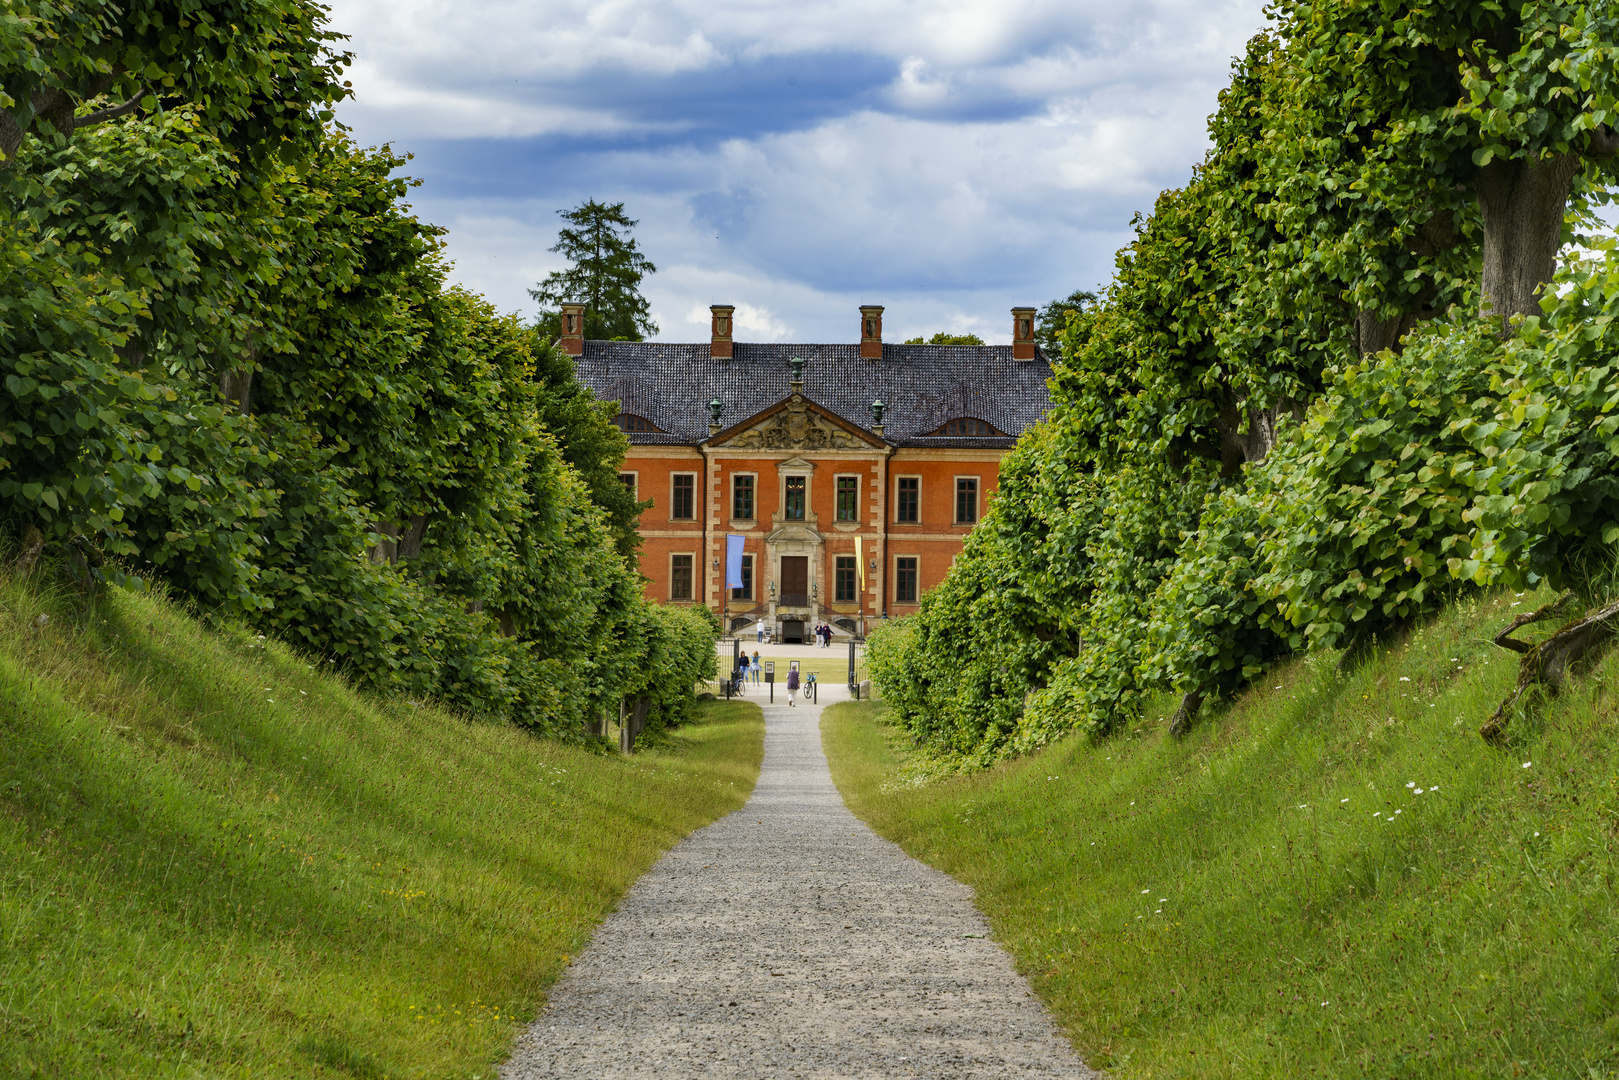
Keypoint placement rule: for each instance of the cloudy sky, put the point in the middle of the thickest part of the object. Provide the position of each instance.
(947, 159)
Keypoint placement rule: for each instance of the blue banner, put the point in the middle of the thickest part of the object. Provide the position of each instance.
(733, 561)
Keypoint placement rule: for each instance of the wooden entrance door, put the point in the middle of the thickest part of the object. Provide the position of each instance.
(795, 581)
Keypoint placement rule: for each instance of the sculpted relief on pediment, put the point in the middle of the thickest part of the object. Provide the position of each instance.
(796, 427)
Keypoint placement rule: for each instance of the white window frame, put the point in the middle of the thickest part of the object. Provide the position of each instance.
(781, 493)
(859, 483)
(904, 555)
(673, 599)
(978, 498)
(908, 476)
(732, 495)
(696, 496)
(750, 561)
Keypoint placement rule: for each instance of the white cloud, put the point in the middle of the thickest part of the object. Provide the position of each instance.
(914, 89)
(992, 156)
(461, 114)
(753, 323)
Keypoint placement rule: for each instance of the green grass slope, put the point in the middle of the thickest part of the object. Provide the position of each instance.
(1334, 878)
(218, 862)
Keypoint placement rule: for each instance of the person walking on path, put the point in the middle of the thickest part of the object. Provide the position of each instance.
(792, 685)
(757, 667)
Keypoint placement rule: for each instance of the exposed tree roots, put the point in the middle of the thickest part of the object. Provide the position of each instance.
(1546, 665)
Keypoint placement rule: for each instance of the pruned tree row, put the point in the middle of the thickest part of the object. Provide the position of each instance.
(1336, 378)
(233, 365)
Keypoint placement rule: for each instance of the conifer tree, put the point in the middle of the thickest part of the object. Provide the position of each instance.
(605, 276)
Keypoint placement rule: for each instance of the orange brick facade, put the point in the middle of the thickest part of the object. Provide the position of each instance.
(853, 473)
(933, 540)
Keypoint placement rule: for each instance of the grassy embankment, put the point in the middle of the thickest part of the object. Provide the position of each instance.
(1336, 877)
(215, 861)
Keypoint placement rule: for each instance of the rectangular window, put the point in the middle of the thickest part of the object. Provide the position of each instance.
(742, 498)
(746, 591)
(905, 580)
(794, 510)
(966, 500)
(843, 581)
(908, 503)
(628, 480)
(683, 497)
(848, 498)
(680, 577)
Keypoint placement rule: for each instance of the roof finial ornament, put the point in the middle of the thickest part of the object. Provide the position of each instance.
(798, 374)
(716, 409)
(877, 408)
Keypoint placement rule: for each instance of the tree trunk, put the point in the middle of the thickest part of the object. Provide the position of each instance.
(57, 107)
(33, 542)
(1522, 202)
(410, 541)
(1185, 716)
(387, 546)
(237, 387)
(1239, 447)
(1374, 334)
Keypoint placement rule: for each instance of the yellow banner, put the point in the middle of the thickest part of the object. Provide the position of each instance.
(859, 566)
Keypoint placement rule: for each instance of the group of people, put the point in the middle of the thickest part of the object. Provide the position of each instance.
(822, 634)
(747, 669)
(750, 667)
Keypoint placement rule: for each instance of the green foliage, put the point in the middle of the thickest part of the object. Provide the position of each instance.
(1429, 114)
(1546, 479)
(1144, 515)
(959, 671)
(239, 369)
(1296, 924)
(223, 859)
(1362, 512)
(1053, 319)
(942, 338)
(96, 440)
(1292, 436)
(605, 276)
(589, 440)
(260, 73)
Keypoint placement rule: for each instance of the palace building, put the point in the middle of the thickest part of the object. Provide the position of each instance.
(852, 473)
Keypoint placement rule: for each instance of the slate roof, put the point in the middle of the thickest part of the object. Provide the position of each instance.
(922, 386)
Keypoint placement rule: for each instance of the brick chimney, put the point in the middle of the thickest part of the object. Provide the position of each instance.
(871, 332)
(573, 329)
(1023, 333)
(719, 344)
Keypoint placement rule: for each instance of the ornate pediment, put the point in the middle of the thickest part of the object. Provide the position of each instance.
(797, 425)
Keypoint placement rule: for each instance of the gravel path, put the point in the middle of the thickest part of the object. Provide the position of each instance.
(788, 939)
